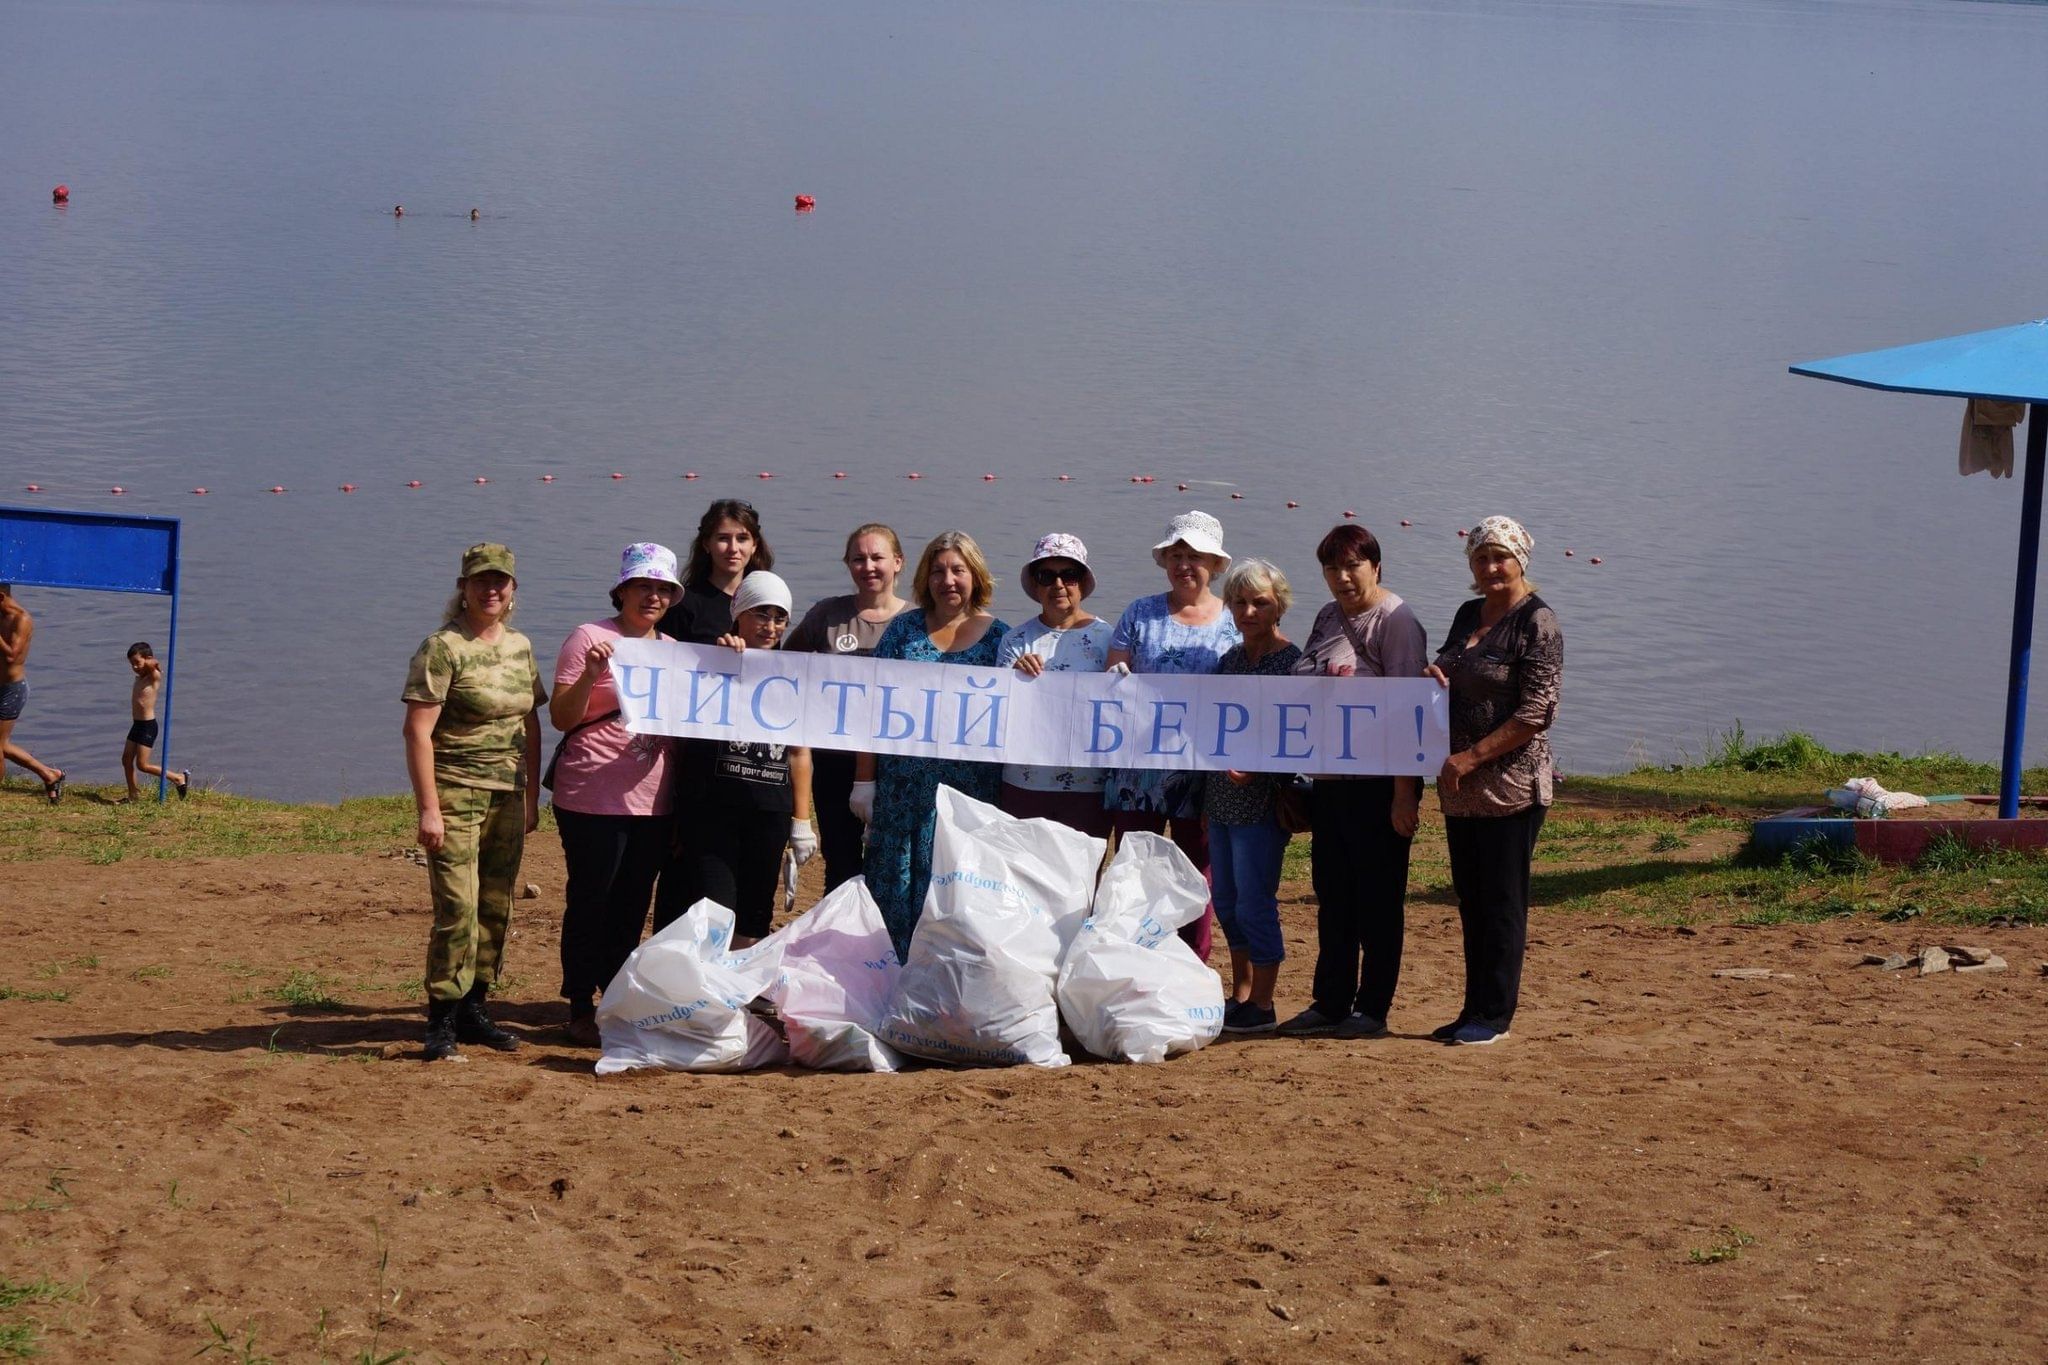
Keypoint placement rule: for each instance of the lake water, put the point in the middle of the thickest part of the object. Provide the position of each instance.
(1426, 262)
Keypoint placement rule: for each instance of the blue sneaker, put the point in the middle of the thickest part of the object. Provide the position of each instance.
(1475, 1034)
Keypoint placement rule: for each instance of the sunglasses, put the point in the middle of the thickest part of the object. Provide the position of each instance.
(1045, 578)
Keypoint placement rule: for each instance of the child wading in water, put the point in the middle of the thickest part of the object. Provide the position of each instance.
(149, 675)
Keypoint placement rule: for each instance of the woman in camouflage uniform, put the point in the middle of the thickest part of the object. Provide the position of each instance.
(472, 749)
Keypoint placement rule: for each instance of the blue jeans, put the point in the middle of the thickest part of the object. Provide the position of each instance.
(1244, 875)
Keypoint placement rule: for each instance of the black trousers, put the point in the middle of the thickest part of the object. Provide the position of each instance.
(613, 861)
(1490, 871)
(732, 857)
(1360, 870)
(840, 832)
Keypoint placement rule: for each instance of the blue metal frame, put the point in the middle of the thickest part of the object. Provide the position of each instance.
(2012, 759)
(44, 547)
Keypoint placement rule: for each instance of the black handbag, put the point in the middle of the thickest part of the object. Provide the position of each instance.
(547, 777)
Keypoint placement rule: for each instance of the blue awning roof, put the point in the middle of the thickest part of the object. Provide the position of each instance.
(2008, 362)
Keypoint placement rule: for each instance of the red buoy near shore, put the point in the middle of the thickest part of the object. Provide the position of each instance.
(199, 492)
(61, 195)
(764, 474)
(988, 478)
(1238, 496)
(277, 488)
(805, 203)
(1066, 478)
(33, 488)
(1462, 533)
(1569, 553)
(617, 475)
(1293, 504)
(913, 476)
(117, 490)
(1181, 487)
(348, 488)
(412, 483)
(691, 475)
(1349, 514)
(1406, 522)
(1594, 560)
(547, 478)
(838, 473)
(481, 479)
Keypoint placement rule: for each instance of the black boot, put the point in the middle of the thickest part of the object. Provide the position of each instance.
(441, 1029)
(473, 1025)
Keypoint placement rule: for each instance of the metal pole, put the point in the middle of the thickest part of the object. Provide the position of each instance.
(163, 755)
(2013, 758)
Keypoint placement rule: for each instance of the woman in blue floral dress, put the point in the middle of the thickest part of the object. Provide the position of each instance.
(1182, 630)
(895, 794)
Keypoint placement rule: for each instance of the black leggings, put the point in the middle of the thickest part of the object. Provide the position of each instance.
(1360, 870)
(613, 861)
(1490, 857)
(732, 857)
(840, 831)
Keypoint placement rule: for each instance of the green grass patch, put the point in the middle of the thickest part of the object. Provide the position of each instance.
(306, 990)
(34, 997)
(21, 1332)
(87, 826)
(1727, 1247)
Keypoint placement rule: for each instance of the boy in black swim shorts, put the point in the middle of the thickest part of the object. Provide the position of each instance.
(142, 734)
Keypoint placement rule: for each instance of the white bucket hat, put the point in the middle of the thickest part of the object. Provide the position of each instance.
(1058, 545)
(760, 589)
(645, 559)
(1198, 531)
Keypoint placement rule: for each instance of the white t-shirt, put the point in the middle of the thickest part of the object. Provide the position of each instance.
(1084, 649)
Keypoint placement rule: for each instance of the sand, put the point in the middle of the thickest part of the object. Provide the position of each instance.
(1831, 1162)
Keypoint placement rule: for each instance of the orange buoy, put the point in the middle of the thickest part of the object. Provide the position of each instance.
(348, 488)
(412, 483)
(1293, 504)
(61, 195)
(805, 203)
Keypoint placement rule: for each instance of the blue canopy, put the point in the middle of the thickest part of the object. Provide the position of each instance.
(2009, 363)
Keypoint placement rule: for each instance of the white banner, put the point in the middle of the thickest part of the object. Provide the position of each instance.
(1350, 726)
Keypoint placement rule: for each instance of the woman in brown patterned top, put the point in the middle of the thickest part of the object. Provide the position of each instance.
(1502, 664)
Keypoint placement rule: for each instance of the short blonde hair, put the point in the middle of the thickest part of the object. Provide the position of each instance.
(1249, 576)
(962, 544)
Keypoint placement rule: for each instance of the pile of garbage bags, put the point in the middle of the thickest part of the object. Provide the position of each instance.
(1017, 937)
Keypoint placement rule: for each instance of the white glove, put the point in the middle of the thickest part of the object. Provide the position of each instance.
(803, 842)
(861, 801)
(1118, 670)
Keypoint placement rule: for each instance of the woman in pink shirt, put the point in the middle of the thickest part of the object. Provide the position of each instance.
(611, 786)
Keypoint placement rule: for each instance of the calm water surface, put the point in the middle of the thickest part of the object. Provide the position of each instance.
(1423, 262)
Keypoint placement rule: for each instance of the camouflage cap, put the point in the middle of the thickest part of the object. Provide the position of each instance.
(486, 558)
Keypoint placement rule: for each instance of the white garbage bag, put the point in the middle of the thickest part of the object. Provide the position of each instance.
(1130, 989)
(1006, 897)
(838, 971)
(680, 1001)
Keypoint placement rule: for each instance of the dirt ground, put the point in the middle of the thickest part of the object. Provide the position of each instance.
(1828, 1163)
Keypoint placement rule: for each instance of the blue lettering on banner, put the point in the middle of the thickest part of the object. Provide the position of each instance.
(931, 713)
(762, 686)
(889, 712)
(1288, 728)
(1347, 708)
(1160, 727)
(723, 696)
(627, 692)
(1096, 707)
(992, 715)
(1224, 729)
(839, 714)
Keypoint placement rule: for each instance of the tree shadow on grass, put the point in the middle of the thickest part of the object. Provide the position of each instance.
(1548, 888)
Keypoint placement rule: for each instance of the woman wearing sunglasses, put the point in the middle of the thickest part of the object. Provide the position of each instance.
(1062, 638)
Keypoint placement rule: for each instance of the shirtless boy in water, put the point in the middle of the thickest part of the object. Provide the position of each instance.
(149, 675)
(16, 628)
